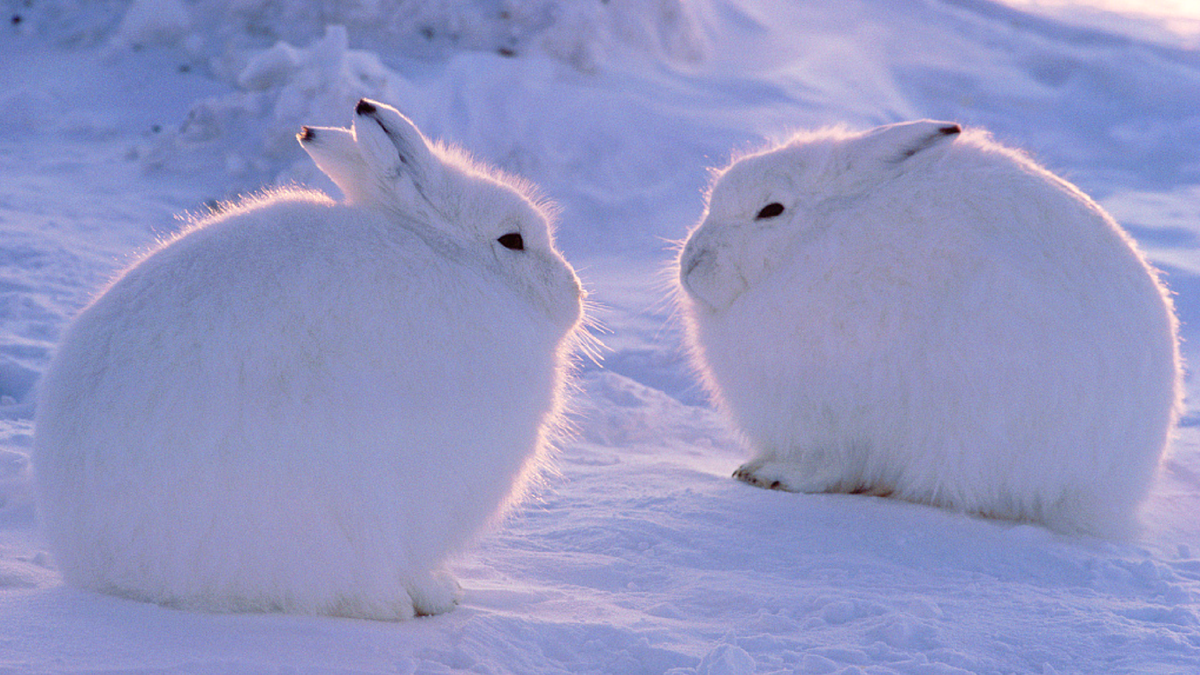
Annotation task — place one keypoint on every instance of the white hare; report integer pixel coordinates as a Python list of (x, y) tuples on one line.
[(305, 406), (919, 312)]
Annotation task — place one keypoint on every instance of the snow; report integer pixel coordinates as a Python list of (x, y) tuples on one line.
[(1170, 21), (640, 555)]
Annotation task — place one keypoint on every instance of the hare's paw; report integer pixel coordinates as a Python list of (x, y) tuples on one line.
[(765, 474), (434, 594), (787, 476)]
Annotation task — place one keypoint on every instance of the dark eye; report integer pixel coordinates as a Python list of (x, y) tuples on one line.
[(770, 211), (513, 241)]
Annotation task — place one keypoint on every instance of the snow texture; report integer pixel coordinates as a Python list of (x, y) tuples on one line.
[(639, 553)]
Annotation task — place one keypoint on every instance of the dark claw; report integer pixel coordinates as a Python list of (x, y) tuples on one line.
[(748, 476), (306, 134), (951, 130), (364, 107)]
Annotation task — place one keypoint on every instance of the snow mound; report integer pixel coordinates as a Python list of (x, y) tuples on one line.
[(153, 22), (576, 33), (252, 131)]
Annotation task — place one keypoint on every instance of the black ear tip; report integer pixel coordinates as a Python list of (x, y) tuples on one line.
[(364, 107), (306, 134), (951, 130)]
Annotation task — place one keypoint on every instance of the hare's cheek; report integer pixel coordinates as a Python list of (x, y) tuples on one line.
[(571, 295), (560, 290), (708, 277)]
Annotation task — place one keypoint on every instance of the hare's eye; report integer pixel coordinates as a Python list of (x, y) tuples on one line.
[(513, 241), (770, 211)]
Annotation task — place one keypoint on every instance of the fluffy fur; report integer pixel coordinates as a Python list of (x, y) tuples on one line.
[(305, 406), (917, 311)]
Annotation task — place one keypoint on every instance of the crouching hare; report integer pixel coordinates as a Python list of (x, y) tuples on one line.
[(917, 311), (306, 406)]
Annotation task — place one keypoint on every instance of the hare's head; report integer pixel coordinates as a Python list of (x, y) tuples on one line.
[(385, 163), (763, 204)]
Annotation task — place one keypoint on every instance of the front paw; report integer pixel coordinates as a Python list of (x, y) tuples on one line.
[(434, 594), (814, 479), (763, 474), (795, 476)]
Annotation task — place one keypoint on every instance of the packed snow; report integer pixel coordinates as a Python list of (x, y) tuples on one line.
[(639, 553)]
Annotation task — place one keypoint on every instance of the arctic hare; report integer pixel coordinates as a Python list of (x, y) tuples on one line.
[(917, 311), (305, 406)]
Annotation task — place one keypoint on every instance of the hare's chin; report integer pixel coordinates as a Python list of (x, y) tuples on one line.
[(709, 294)]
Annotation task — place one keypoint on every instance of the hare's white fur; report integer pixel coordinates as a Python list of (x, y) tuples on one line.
[(306, 406), (927, 314)]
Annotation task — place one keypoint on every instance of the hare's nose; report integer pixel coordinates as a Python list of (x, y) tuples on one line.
[(695, 254), (692, 260)]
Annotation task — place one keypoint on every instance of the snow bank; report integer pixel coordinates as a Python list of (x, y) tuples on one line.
[(251, 132)]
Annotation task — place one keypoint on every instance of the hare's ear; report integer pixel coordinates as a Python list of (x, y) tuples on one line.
[(898, 142), (390, 144), (335, 152)]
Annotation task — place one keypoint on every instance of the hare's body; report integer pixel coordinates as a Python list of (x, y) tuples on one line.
[(933, 317), (302, 406)]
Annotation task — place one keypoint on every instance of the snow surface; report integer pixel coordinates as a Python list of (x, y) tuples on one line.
[(1171, 21), (641, 555)]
